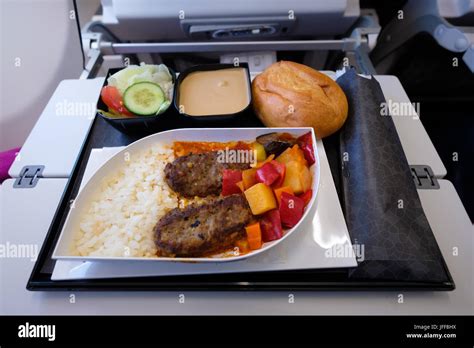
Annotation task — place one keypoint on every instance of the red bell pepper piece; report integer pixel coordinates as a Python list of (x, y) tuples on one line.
[(271, 226), (111, 97), (281, 169), (291, 209), (267, 174), (308, 153), (306, 144), (230, 178), (305, 138), (306, 197)]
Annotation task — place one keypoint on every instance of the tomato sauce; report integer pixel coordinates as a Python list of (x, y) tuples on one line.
[(182, 148)]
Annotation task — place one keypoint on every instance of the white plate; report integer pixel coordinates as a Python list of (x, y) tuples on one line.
[(316, 245), (71, 226)]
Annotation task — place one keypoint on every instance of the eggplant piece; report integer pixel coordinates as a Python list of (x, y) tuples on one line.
[(276, 143)]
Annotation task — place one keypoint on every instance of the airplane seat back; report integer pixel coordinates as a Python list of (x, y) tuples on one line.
[(37, 52)]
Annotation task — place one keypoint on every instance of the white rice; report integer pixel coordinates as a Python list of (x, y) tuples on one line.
[(120, 221)]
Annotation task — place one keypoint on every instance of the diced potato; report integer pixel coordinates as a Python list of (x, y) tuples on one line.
[(292, 154), (292, 178), (285, 156), (260, 198), (298, 177), (248, 177), (306, 179)]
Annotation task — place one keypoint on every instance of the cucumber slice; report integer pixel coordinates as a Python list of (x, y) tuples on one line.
[(144, 98)]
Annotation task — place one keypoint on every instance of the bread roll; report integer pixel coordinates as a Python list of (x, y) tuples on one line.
[(289, 94)]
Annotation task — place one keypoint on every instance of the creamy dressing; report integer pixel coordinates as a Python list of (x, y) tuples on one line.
[(214, 92)]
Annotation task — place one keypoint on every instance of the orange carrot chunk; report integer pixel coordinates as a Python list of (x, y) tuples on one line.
[(254, 236), (280, 190)]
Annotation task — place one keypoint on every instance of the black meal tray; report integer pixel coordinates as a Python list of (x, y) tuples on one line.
[(102, 134)]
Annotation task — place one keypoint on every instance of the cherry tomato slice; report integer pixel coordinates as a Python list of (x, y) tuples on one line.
[(111, 97)]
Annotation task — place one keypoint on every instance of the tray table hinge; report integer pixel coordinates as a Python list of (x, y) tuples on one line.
[(29, 177), (424, 177)]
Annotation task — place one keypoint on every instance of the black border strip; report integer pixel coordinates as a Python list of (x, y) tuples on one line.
[(235, 331), (78, 24)]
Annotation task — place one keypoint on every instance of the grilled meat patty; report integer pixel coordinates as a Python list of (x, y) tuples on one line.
[(202, 229), (198, 174)]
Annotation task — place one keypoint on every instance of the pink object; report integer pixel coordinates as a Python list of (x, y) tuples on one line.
[(6, 160)]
